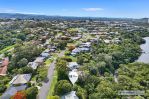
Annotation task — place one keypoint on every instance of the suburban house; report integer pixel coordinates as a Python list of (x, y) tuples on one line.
[(107, 41), (46, 51), (94, 40), (3, 66), (84, 49), (75, 51), (12, 91), (44, 54), (86, 45), (70, 95), (39, 60), (33, 65), (73, 65), (51, 48), (18, 83), (75, 38), (20, 79), (116, 40)]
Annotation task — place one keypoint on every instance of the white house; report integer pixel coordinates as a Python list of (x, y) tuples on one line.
[(33, 65), (70, 95), (73, 65)]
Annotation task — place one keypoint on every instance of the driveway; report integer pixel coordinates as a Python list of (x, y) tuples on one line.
[(43, 92)]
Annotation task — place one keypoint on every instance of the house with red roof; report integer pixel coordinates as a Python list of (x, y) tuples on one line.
[(3, 66)]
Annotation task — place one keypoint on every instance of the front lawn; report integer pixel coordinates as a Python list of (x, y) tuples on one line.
[(52, 87), (6, 49)]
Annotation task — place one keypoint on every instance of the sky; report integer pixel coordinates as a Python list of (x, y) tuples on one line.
[(83, 8)]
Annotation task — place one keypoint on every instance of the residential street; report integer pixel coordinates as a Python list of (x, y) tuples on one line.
[(43, 92)]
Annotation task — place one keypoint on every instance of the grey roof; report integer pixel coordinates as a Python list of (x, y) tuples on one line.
[(76, 50), (33, 65), (84, 49), (87, 44), (70, 95), (39, 59), (47, 51), (21, 79), (44, 54), (12, 90), (80, 49), (73, 65)]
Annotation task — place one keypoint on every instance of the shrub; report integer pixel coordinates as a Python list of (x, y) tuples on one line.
[(31, 93), (2, 88), (54, 97), (67, 53), (68, 59), (62, 87)]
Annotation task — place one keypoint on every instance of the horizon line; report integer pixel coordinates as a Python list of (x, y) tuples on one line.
[(38, 14)]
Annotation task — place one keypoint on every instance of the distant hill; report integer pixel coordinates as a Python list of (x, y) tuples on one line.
[(22, 16), (45, 17)]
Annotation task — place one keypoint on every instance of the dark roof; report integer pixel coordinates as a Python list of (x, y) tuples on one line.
[(3, 67), (12, 90)]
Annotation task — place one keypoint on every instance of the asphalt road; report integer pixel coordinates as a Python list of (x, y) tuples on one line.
[(43, 92)]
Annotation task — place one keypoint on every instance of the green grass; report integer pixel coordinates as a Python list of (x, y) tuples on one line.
[(33, 78), (54, 81), (74, 59), (69, 44), (46, 65), (48, 62), (6, 49), (55, 55), (43, 70)]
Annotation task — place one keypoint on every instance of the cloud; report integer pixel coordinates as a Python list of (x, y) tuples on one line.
[(6, 10), (36, 13), (93, 9)]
